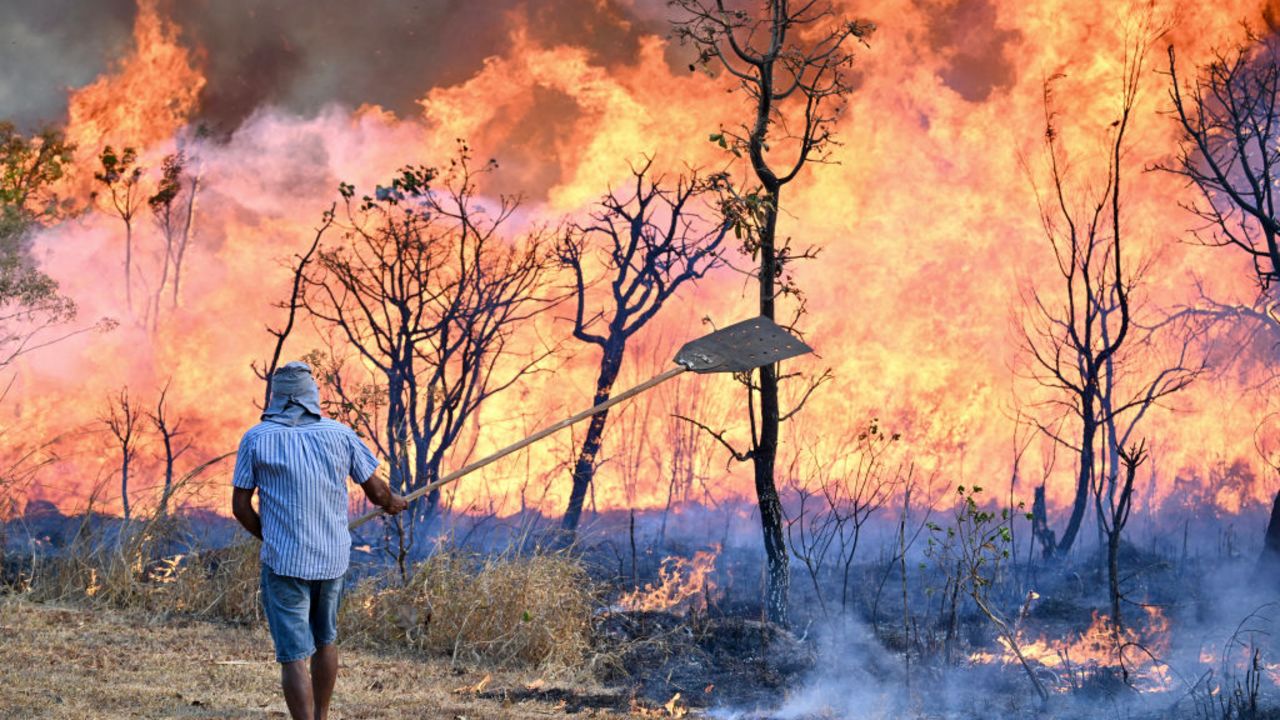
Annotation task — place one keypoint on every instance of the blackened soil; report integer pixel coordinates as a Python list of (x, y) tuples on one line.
[(708, 660)]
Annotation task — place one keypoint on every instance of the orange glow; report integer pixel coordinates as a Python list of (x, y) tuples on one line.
[(926, 225)]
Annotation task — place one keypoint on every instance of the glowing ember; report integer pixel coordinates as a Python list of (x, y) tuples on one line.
[(683, 584)]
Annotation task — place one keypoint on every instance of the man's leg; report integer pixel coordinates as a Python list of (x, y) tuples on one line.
[(324, 673), (286, 602), (325, 596), (297, 689)]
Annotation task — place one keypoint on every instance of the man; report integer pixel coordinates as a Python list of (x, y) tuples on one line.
[(299, 462)]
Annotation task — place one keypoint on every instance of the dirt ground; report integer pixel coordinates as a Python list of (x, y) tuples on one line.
[(68, 662)]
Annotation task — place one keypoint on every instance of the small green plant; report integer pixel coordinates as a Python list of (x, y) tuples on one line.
[(973, 552)]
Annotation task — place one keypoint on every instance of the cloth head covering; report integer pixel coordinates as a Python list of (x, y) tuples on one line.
[(295, 399)]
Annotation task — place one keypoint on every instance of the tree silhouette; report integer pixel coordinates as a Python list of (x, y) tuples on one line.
[(791, 61), (645, 244)]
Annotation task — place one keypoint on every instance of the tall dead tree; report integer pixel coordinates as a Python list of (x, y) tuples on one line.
[(122, 177), (1072, 335), (1082, 337), (122, 419), (644, 243), (427, 291), (791, 61)]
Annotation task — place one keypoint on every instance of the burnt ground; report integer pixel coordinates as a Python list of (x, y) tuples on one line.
[(708, 660)]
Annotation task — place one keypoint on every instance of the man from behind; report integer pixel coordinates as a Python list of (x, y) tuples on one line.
[(298, 461)]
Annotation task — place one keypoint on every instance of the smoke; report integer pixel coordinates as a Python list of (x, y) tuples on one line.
[(977, 50), (46, 47), (303, 56)]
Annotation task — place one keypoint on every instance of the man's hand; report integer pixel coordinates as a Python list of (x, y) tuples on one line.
[(379, 493), (396, 504)]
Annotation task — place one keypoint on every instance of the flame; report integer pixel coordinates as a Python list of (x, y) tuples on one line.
[(673, 708), (165, 570), (925, 221), (1078, 657), (683, 585), (146, 99)]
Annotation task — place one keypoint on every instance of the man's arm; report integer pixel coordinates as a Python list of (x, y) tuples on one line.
[(379, 493), (242, 508)]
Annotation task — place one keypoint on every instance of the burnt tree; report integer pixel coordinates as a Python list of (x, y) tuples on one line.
[(122, 420), (1102, 368), (1229, 149), (644, 244), (427, 291), (170, 430), (791, 61)]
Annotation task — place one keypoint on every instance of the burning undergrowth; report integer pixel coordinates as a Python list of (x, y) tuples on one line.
[(675, 631)]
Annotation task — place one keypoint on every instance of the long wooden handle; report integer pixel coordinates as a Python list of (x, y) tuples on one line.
[(647, 385)]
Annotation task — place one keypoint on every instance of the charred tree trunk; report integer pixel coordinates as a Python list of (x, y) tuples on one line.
[(1088, 435), (765, 453), (585, 467), (1040, 524), (124, 485), (1113, 577), (1269, 560), (791, 62), (168, 473)]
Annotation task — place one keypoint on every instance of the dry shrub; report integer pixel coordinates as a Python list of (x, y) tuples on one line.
[(221, 584), (134, 572), (510, 611), (132, 565)]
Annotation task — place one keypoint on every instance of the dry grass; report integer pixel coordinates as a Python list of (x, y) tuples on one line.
[(529, 611), (133, 573), (67, 662), (495, 611)]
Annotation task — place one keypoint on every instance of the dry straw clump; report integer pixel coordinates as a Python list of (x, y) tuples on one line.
[(134, 572), (510, 610)]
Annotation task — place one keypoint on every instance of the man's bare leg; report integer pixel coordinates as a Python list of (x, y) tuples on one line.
[(297, 689), (324, 673)]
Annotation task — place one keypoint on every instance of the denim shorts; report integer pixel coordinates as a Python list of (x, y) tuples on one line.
[(302, 614)]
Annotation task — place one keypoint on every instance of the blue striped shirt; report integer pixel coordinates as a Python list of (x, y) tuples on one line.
[(301, 474)]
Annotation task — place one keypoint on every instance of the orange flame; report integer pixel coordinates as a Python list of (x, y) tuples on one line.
[(683, 585), (1099, 648), (147, 98), (926, 224)]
